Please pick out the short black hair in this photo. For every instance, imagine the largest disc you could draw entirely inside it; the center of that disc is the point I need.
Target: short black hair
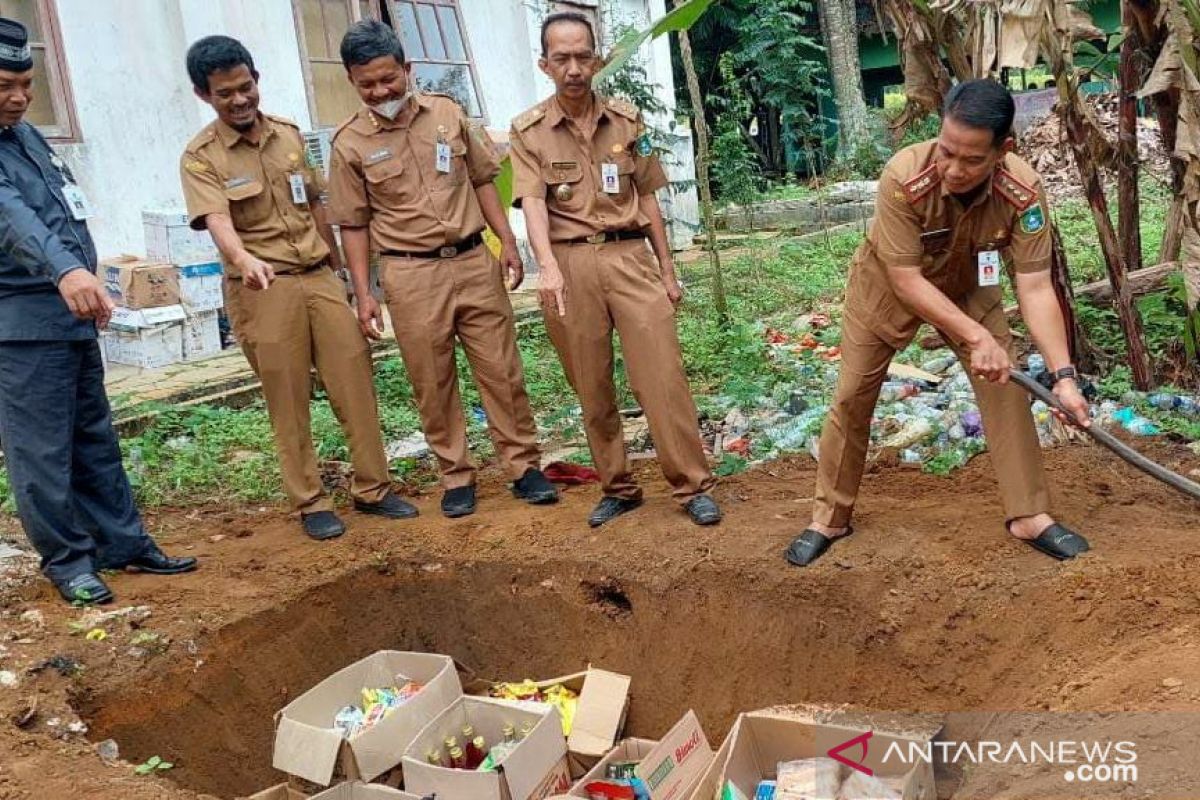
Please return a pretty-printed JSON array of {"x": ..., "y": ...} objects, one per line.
[
  {"x": 982, "y": 103},
  {"x": 368, "y": 40},
  {"x": 214, "y": 54},
  {"x": 567, "y": 16}
]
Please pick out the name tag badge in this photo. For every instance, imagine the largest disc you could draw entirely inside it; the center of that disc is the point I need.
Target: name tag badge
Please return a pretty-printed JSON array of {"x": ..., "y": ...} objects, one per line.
[
  {"x": 989, "y": 268},
  {"x": 299, "y": 193},
  {"x": 81, "y": 209},
  {"x": 443, "y": 158},
  {"x": 612, "y": 181}
]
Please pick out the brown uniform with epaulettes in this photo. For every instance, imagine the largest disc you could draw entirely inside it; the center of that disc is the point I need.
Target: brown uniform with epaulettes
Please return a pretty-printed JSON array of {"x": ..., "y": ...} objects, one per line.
[
  {"x": 610, "y": 283},
  {"x": 303, "y": 318},
  {"x": 440, "y": 281},
  {"x": 920, "y": 225}
]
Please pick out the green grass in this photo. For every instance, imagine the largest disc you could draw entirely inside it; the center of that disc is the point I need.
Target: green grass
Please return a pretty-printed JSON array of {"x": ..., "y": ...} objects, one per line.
[{"x": 1074, "y": 220}]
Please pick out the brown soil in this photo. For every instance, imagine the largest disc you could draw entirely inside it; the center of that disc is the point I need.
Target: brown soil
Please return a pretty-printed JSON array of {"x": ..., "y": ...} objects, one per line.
[{"x": 929, "y": 607}]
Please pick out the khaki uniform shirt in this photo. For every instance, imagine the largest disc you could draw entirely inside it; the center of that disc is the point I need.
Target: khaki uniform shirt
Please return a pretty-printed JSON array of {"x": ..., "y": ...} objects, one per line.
[
  {"x": 553, "y": 160},
  {"x": 222, "y": 172},
  {"x": 385, "y": 176},
  {"x": 920, "y": 225}
]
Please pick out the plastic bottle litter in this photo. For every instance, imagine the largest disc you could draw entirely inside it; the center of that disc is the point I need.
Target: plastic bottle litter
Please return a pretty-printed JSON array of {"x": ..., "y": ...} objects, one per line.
[
  {"x": 1136, "y": 424},
  {"x": 1035, "y": 365},
  {"x": 939, "y": 364},
  {"x": 913, "y": 431},
  {"x": 1173, "y": 402},
  {"x": 972, "y": 423}
]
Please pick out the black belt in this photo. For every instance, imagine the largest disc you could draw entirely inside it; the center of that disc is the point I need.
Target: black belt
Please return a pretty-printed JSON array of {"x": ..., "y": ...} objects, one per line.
[
  {"x": 606, "y": 236},
  {"x": 449, "y": 251}
]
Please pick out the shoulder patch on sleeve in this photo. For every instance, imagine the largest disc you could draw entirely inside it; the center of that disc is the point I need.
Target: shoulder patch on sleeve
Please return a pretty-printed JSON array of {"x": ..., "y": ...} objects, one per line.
[
  {"x": 1018, "y": 194},
  {"x": 1033, "y": 220},
  {"x": 624, "y": 108},
  {"x": 527, "y": 119},
  {"x": 921, "y": 184}
]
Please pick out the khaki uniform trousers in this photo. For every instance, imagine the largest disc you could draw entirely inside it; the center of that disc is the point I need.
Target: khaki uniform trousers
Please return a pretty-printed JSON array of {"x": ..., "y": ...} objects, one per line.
[
  {"x": 619, "y": 285},
  {"x": 433, "y": 301},
  {"x": 303, "y": 320},
  {"x": 1007, "y": 420}
]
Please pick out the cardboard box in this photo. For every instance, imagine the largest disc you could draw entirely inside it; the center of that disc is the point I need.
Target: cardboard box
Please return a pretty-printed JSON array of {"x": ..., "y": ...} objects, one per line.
[
  {"x": 281, "y": 792},
  {"x": 363, "y": 791},
  {"x": 599, "y": 716},
  {"x": 308, "y": 746},
  {"x": 201, "y": 335},
  {"x": 670, "y": 767},
  {"x": 532, "y": 771},
  {"x": 137, "y": 283},
  {"x": 760, "y": 740},
  {"x": 170, "y": 238},
  {"x": 200, "y": 287},
  {"x": 150, "y": 338}
]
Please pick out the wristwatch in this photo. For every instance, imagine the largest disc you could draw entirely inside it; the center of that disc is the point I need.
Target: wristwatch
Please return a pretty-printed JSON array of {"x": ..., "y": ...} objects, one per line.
[{"x": 1066, "y": 372}]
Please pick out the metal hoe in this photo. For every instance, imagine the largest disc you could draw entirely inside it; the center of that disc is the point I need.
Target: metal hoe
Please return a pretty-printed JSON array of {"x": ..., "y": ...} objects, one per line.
[{"x": 1154, "y": 469}]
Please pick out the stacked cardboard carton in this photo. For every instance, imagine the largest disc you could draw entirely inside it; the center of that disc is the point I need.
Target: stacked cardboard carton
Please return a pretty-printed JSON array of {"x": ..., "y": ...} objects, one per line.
[{"x": 171, "y": 240}]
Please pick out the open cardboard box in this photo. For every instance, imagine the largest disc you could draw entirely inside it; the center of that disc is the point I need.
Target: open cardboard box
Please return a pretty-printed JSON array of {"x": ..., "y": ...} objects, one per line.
[
  {"x": 760, "y": 740},
  {"x": 599, "y": 715},
  {"x": 535, "y": 769},
  {"x": 355, "y": 790},
  {"x": 670, "y": 767},
  {"x": 308, "y": 746},
  {"x": 282, "y": 791}
]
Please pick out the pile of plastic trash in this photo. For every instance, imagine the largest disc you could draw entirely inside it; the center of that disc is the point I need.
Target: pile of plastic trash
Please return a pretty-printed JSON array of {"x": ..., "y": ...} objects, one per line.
[{"x": 932, "y": 421}]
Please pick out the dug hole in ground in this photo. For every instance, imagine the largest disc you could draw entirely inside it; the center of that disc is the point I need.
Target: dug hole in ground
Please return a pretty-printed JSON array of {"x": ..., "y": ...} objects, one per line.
[{"x": 929, "y": 608}]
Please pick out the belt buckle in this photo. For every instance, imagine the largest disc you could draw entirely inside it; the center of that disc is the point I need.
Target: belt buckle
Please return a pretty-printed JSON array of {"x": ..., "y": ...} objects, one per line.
[
  {"x": 448, "y": 252},
  {"x": 597, "y": 238}
]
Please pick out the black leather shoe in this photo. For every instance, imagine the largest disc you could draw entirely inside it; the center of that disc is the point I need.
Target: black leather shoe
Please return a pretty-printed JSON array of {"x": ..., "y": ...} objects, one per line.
[
  {"x": 534, "y": 488},
  {"x": 609, "y": 508},
  {"x": 703, "y": 510},
  {"x": 459, "y": 502},
  {"x": 391, "y": 506},
  {"x": 85, "y": 590},
  {"x": 156, "y": 562},
  {"x": 809, "y": 546},
  {"x": 322, "y": 525},
  {"x": 1059, "y": 542}
]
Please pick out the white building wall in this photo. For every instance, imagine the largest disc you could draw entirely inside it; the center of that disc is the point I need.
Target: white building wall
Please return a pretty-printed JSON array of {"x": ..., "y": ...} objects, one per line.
[
  {"x": 505, "y": 57},
  {"x": 136, "y": 109},
  {"x": 135, "y": 105}
]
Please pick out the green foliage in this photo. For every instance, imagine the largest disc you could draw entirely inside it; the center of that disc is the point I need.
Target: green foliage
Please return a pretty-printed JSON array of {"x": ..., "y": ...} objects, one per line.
[
  {"x": 735, "y": 167},
  {"x": 153, "y": 764},
  {"x": 730, "y": 464},
  {"x": 678, "y": 19}
]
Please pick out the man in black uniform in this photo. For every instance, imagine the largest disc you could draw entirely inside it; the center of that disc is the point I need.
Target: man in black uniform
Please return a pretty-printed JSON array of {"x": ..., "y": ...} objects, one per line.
[{"x": 62, "y": 455}]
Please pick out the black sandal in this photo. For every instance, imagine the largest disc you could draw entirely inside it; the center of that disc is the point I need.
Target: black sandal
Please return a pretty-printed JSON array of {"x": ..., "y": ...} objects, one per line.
[
  {"x": 809, "y": 546},
  {"x": 1059, "y": 542}
]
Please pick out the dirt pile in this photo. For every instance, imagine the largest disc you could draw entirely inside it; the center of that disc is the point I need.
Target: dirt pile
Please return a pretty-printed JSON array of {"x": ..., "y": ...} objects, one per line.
[
  {"x": 1045, "y": 146},
  {"x": 929, "y": 607}
]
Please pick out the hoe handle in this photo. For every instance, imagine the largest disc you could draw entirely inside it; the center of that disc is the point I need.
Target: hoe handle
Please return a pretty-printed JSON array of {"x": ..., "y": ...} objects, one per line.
[{"x": 1152, "y": 468}]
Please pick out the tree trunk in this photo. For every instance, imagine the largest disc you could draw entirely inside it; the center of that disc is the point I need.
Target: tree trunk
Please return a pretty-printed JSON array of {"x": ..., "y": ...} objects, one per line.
[
  {"x": 1128, "y": 210},
  {"x": 1093, "y": 187},
  {"x": 1060, "y": 274},
  {"x": 839, "y": 24},
  {"x": 702, "y": 163}
]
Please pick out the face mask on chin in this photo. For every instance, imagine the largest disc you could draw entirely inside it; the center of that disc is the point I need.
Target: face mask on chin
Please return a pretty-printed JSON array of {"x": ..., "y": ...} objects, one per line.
[{"x": 391, "y": 109}]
